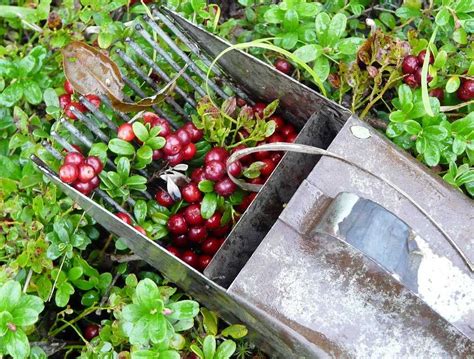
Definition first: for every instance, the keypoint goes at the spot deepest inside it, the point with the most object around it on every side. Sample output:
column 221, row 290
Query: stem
column 379, row 96
column 76, row 330
column 57, row 277
column 27, row 281
column 455, row 107
column 85, row 313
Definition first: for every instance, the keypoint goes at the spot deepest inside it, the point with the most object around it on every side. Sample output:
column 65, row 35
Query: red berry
column 268, row 167
column 64, row 100
column 226, row 187
column 276, row 157
column 84, row 187
column 197, row 234
column 86, row 173
column 189, row 151
column 95, row 163
column 275, row 138
column 68, row 173
column 191, row 193
column 410, row 80
column 140, row 229
column 181, row 241
column 175, row 159
column 216, row 154
column 221, row 231
column 215, row 170
column 174, row 251
column 421, row 57
column 198, row 175
column 125, row 132
column 91, row 331
column 193, row 131
column 288, row 130
column 124, row 217
column 172, row 146
column 94, row 99
column 258, row 180
column 214, row 221
column 258, row 109
column 261, row 155
column 241, row 102
column 68, row 87
column 183, row 136
column 210, row 246
column 283, row 66
column 235, row 168
column 466, row 90
column 177, row 224
column 77, row 105
column 203, row 262
column 157, row 154
column 165, row 129
column 76, row 149
column 246, row 159
column 95, row 182
column 151, row 118
column 438, row 93
column 291, row 137
column 247, row 201
column 418, row 76
column 163, row 198
column 410, row 64
column 190, row 258
column 192, row 214
column 279, row 122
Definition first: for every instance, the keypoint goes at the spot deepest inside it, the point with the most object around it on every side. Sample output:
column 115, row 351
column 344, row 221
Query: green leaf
column 322, row 25
column 412, row 127
column 308, row 53
column 63, row 293
column 156, row 143
column 388, row 19
column 459, row 145
column 136, row 180
column 209, row 321
column 123, row 170
column 453, row 84
column 291, row 21
column 440, row 60
column 209, row 347
column 16, row 343
column 196, row 350
column 208, row 205
column 89, row 298
column 235, row 331
column 50, row 97
column 140, row 211
column 274, row 15
column 349, row 46
column 147, row 292
column 206, row 186
column 10, row 169
column 185, row 309
column 226, row 349
column 289, row 40
column 322, row 67
column 436, row 133
column 443, row 17
column 460, row 36
column 75, row 273
column 140, row 131
column 10, row 294
column 337, row 28
column 432, row 154
column 99, row 150
column 32, row 92
column 121, row 147
column 406, row 98
column 12, row 94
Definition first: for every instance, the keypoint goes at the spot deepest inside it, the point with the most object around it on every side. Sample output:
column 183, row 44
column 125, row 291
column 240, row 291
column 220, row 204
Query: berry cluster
column 82, row 173
column 66, row 101
column 411, row 66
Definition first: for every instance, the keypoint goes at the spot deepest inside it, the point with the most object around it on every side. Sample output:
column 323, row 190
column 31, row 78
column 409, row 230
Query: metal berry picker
column 345, row 254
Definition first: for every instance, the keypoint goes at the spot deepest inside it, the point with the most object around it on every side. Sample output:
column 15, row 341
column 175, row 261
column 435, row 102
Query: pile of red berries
column 66, row 101
column 412, row 65
column 82, row 173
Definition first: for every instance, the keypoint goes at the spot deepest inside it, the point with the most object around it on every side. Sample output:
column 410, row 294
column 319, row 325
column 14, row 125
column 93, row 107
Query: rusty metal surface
column 341, row 300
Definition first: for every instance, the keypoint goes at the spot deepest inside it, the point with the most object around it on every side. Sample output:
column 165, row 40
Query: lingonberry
column 74, row 104
column 421, row 57
column 191, row 193
column 288, row 130
column 267, row 168
column 203, row 261
column 246, row 202
column 86, row 172
column 198, row 175
column 241, row 102
column 95, row 182
column 163, row 198
column 96, row 163
column 140, row 229
column 94, row 99
column 68, row 87
column 189, row 151
column 197, row 234
column 157, row 154
column 216, row 154
column 175, row 159
column 221, row 231
column 190, row 258
column 410, row 64
column 279, row 122
column 246, row 159
column 257, row 180
column 210, row 245
column 183, row 136
column 177, row 224
column 261, row 155
column 215, row 170
column 195, row 133
column 125, row 132
column 68, row 173
column 438, row 93
column 214, row 221
column 410, row 80
column 258, row 109
column 181, row 240
column 165, row 128
column 226, row 187
column 83, row 187
column 276, row 157
column 275, row 138
column 64, row 100
column 466, row 90
column 418, row 76
column 172, row 146
column 124, row 217
column 235, row 168
column 151, row 118
column 91, row 331
column 291, row 137
column 174, row 251
column 283, row 66
column 192, row 214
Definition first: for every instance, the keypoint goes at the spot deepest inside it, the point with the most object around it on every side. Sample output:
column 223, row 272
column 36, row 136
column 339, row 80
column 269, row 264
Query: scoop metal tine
column 97, row 113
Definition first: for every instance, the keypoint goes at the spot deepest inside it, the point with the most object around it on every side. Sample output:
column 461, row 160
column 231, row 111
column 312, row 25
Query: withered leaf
column 92, row 72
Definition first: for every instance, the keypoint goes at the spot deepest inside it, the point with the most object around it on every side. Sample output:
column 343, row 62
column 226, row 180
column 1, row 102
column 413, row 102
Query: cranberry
column 165, row 129
column 83, row 187
column 197, row 234
column 246, row 159
column 191, row 193
column 198, row 175
column 410, row 80
column 275, row 138
column 283, row 66
column 181, row 241
column 76, row 149
column 216, row 154
column 410, row 64
column 203, row 262
column 163, row 198
column 276, row 157
column 95, row 182
column 291, row 137
column 215, row 170
column 244, row 133
column 279, row 122
column 438, row 93
column 175, row 159
column 91, row 331
column 268, row 167
column 86, row 172
column 189, row 151
column 247, row 201
column 466, row 90
column 64, row 100
column 183, row 136
column 258, row 109
column 195, row 133
column 235, row 168
column 418, row 76
column 261, row 155
column 226, row 187
column 241, row 102
column 177, row 224
column 214, row 221
column 125, row 132
column 95, row 163
column 174, row 251
column 258, row 180
column 68, row 87
column 190, row 258
column 192, row 214
column 210, row 246
column 221, row 231
column 151, row 118
column 157, row 154
column 421, row 57
column 78, row 106
column 94, row 99
column 68, row 173
column 124, row 217
column 140, row 229
column 172, row 146
column 288, row 130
